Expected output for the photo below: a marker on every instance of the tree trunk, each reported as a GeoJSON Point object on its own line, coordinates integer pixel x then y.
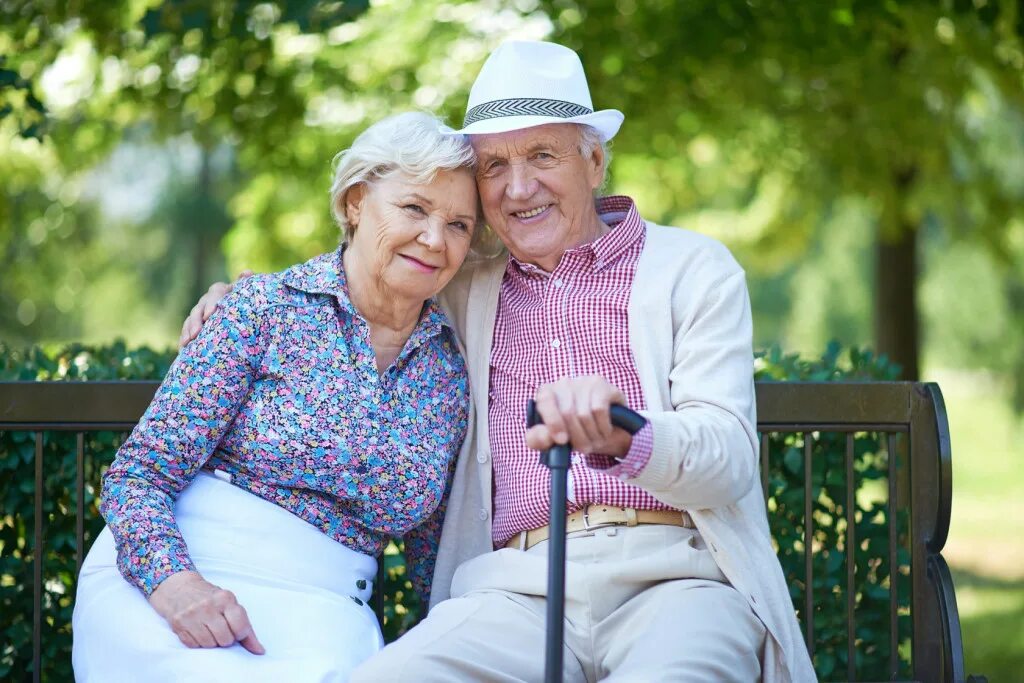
{"type": "Point", "coordinates": [200, 246]}
{"type": "Point", "coordinates": [896, 314]}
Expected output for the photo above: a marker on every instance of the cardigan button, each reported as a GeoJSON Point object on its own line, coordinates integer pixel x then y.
{"type": "Point", "coordinates": [482, 514]}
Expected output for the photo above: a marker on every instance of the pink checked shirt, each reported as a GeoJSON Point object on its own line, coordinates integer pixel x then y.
{"type": "Point", "coordinates": [571, 322]}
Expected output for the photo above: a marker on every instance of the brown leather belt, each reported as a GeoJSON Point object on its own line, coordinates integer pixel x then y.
{"type": "Point", "coordinates": [600, 516]}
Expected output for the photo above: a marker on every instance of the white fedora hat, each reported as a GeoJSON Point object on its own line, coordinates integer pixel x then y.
{"type": "Point", "coordinates": [527, 83]}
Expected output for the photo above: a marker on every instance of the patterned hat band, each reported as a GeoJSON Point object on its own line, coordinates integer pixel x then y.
{"type": "Point", "coordinates": [525, 106]}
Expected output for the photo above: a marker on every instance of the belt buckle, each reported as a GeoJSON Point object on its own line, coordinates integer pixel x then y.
{"type": "Point", "coordinates": [586, 521]}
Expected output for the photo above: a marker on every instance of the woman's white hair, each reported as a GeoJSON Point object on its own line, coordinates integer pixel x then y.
{"type": "Point", "coordinates": [416, 144]}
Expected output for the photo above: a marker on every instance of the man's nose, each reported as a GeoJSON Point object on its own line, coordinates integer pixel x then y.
{"type": "Point", "coordinates": [521, 183]}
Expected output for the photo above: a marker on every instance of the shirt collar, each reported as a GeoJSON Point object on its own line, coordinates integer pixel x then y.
{"type": "Point", "coordinates": [619, 213]}
{"type": "Point", "coordinates": [325, 274]}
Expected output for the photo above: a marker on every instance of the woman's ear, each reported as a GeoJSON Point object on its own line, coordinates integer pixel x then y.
{"type": "Point", "coordinates": [354, 204]}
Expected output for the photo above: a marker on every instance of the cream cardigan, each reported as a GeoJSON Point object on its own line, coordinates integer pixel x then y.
{"type": "Point", "coordinates": [691, 335]}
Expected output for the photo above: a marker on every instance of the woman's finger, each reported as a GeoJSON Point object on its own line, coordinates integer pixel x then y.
{"type": "Point", "coordinates": [196, 629]}
{"type": "Point", "coordinates": [186, 639]}
{"type": "Point", "coordinates": [218, 627]}
{"type": "Point", "coordinates": [238, 621]}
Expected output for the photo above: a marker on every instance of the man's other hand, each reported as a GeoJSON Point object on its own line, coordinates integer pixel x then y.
{"type": "Point", "coordinates": [202, 311]}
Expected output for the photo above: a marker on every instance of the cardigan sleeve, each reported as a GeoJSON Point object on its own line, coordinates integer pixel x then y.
{"type": "Point", "coordinates": [704, 452]}
{"type": "Point", "coordinates": [193, 408]}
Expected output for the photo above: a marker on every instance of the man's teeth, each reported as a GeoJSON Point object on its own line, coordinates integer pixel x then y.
{"type": "Point", "coordinates": [532, 212]}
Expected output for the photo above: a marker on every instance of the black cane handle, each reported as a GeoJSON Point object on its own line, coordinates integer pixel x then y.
{"type": "Point", "coordinates": [622, 417]}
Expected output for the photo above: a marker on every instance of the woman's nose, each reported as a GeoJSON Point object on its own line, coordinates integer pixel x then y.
{"type": "Point", "coordinates": [432, 236]}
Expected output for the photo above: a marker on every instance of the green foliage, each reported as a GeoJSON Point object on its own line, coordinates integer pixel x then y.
{"type": "Point", "coordinates": [786, 493]}
{"type": "Point", "coordinates": [855, 365]}
{"type": "Point", "coordinates": [784, 477]}
{"type": "Point", "coordinates": [17, 494]}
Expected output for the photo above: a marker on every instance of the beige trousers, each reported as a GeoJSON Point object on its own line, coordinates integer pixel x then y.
{"type": "Point", "coordinates": [643, 604]}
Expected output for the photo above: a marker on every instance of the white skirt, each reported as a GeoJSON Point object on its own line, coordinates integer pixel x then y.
{"type": "Point", "coordinates": [296, 584]}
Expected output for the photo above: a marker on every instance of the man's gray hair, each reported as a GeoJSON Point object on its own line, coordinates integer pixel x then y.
{"type": "Point", "coordinates": [590, 139]}
{"type": "Point", "coordinates": [412, 143]}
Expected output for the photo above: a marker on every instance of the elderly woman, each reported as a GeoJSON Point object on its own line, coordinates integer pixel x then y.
{"type": "Point", "coordinates": [317, 416]}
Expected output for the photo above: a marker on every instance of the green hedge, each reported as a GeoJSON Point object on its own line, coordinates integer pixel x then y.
{"type": "Point", "coordinates": [785, 486]}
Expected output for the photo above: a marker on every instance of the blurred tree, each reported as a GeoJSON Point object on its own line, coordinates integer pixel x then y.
{"type": "Point", "coordinates": [787, 108]}
{"type": "Point", "coordinates": [278, 87]}
{"type": "Point", "coordinates": [761, 119]}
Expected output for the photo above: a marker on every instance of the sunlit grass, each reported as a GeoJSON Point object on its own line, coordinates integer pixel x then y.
{"type": "Point", "coordinates": [986, 542]}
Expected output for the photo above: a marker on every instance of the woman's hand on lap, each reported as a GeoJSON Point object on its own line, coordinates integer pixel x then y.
{"type": "Point", "coordinates": [202, 614]}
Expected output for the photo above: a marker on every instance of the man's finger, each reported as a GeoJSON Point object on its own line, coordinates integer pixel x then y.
{"type": "Point", "coordinates": [590, 422]}
{"type": "Point", "coordinates": [208, 310]}
{"type": "Point", "coordinates": [551, 416]}
{"type": "Point", "coordinates": [539, 438]}
{"type": "Point", "coordinates": [600, 409]}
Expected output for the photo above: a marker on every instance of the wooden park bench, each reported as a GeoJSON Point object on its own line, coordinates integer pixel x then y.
{"type": "Point", "coordinates": [862, 466]}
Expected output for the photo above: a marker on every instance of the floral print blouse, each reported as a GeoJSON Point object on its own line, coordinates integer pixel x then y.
{"type": "Point", "coordinates": [281, 391]}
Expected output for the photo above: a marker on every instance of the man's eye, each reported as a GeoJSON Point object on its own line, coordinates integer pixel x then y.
{"type": "Point", "coordinates": [459, 225]}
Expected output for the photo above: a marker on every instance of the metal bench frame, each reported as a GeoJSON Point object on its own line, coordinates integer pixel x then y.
{"type": "Point", "coordinates": [914, 410]}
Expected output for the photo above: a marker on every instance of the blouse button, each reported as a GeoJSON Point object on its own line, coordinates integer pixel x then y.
{"type": "Point", "coordinates": [482, 514]}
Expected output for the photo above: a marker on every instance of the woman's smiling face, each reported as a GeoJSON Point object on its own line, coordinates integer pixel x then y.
{"type": "Point", "coordinates": [411, 238]}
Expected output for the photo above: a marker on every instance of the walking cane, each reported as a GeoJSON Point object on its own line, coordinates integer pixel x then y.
{"type": "Point", "coordinates": [556, 459]}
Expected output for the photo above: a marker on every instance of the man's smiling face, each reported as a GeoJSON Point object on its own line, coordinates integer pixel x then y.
{"type": "Point", "coordinates": [537, 190]}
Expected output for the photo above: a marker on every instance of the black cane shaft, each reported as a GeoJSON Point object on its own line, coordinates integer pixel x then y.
{"type": "Point", "coordinates": [557, 460]}
{"type": "Point", "coordinates": [556, 576]}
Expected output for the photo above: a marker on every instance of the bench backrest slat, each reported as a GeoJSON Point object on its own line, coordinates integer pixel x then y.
{"type": "Point", "coordinates": [825, 441]}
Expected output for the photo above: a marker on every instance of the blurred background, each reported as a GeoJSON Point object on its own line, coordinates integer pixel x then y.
{"type": "Point", "coordinates": [864, 160]}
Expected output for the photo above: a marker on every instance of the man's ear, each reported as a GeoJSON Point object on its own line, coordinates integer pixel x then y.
{"type": "Point", "coordinates": [354, 204]}
{"type": "Point", "coordinates": [595, 165]}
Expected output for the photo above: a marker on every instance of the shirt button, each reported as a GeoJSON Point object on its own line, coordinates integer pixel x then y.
{"type": "Point", "coordinates": [555, 343]}
{"type": "Point", "coordinates": [482, 514]}
{"type": "Point", "coordinates": [559, 283]}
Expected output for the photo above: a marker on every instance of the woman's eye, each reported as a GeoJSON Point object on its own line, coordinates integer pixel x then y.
{"type": "Point", "coordinates": [414, 208]}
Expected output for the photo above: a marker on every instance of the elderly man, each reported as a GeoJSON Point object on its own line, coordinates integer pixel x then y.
{"type": "Point", "coordinates": [670, 571]}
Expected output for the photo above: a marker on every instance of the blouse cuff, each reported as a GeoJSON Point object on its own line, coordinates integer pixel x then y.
{"type": "Point", "coordinates": [160, 567]}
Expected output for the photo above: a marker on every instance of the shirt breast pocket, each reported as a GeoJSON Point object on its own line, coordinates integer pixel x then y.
{"type": "Point", "coordinates": [509, 392]}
